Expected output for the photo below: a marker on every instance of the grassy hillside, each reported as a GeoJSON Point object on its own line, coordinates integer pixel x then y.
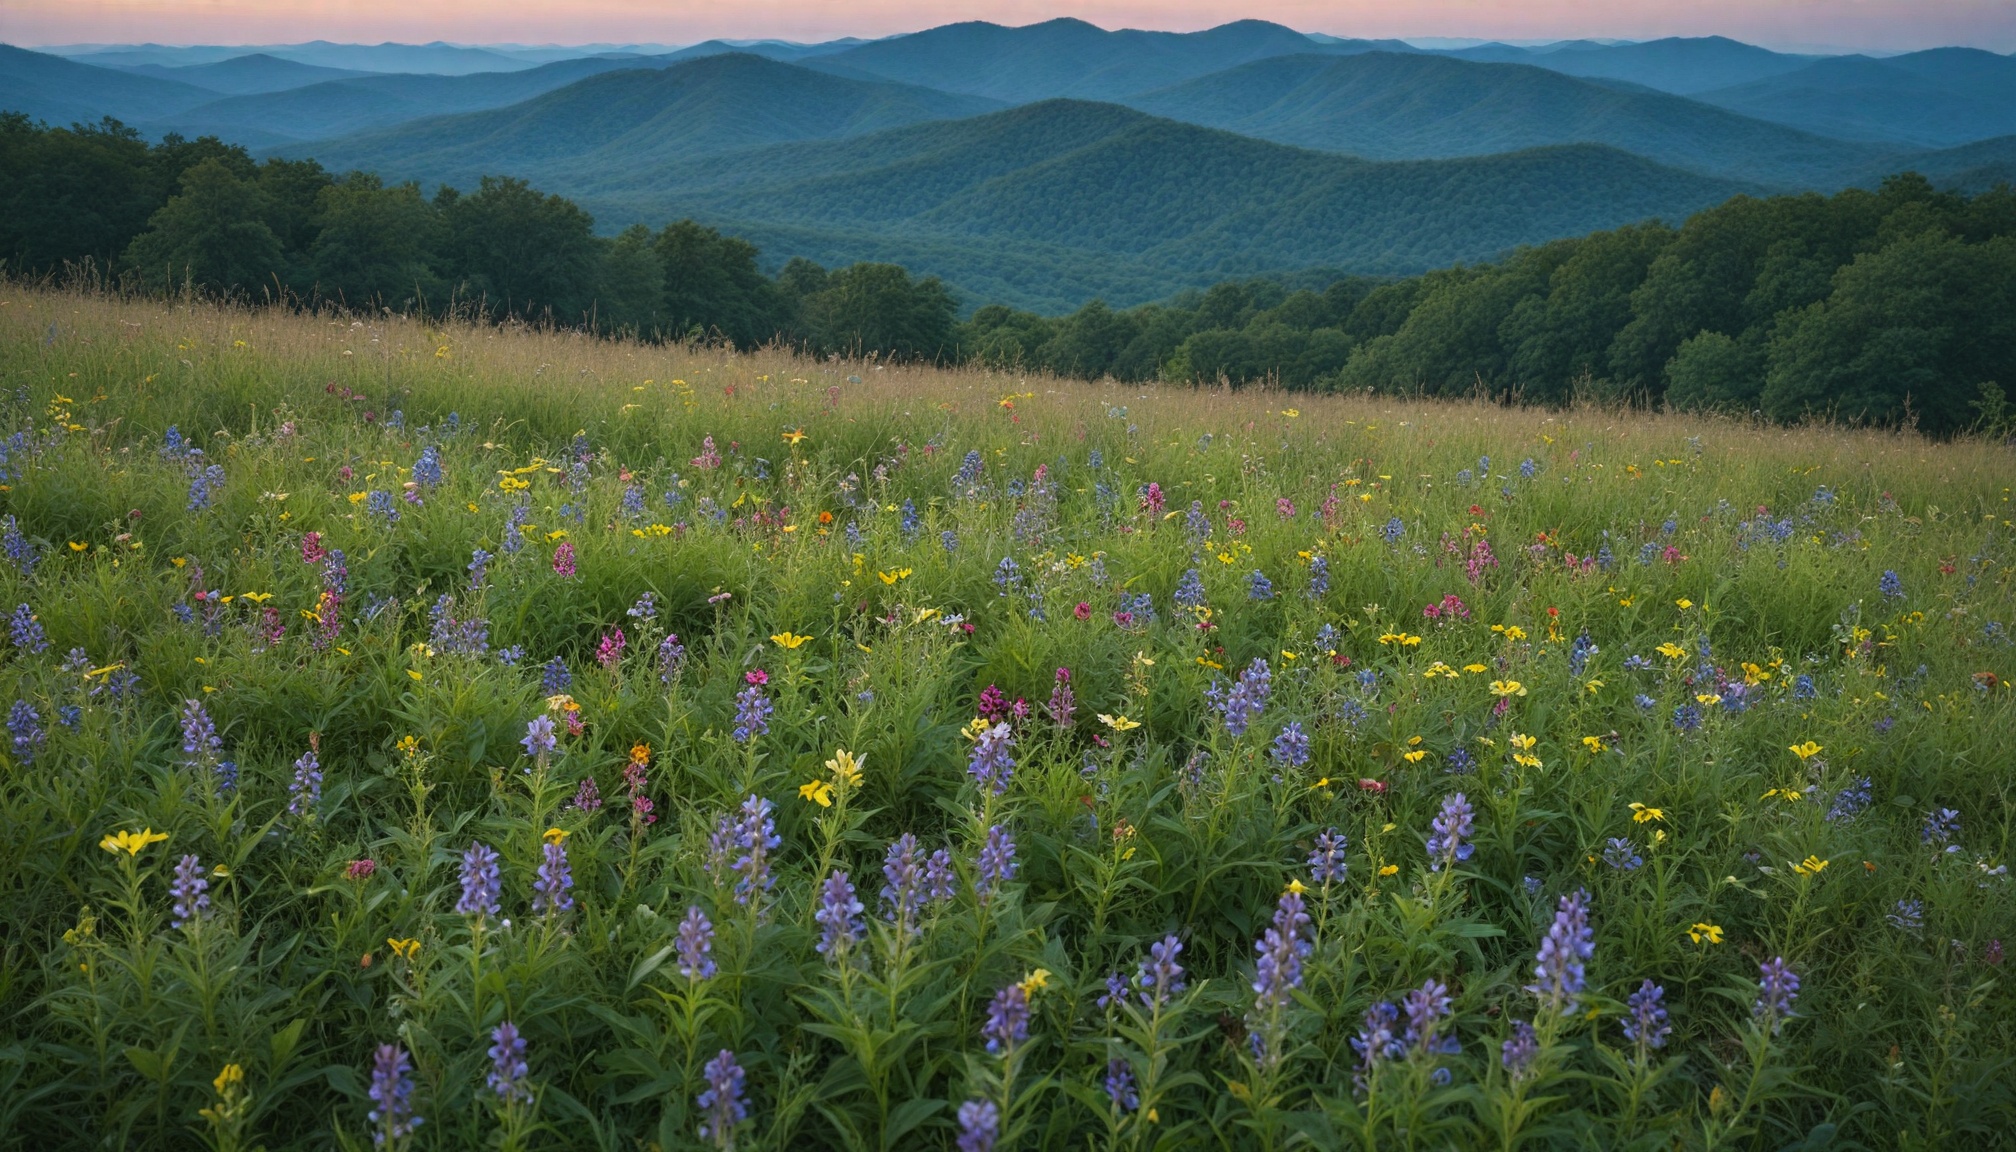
{"type": "Point", "coordinates": [1391, 106]}
{"type": "Point", "coordinates": [804, 749]}
{"type": "Point", "coordinates": [1940, 98]}
{"type": "Point", "coordinates": [1070, 58]}
{"type": "Point", "coordinates": [642, 121]}
{"type": "Point", "coordinates": [60, 91]}
{"type": "Point", "coordinates": [344, 107]}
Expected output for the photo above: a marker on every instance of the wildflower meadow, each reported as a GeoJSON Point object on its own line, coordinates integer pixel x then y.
{"type": "Point", "coordinates": [427, 735]}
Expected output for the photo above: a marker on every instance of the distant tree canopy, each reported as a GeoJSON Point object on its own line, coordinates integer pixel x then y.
{"type": "Point", "coordinates": [1871, 306]}
{"type": "Point", "coordinates": [1876, 306]}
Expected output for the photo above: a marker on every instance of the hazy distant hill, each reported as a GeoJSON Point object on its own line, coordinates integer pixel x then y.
{"type": "Point", "coordinates": [1066, 57]}
{"type": "Point", "coordinates": [1972, 168]}
{"type": "Point", "coordinates": [1937, 98]}
{"type": "Point", "coordinates": [245, 75]}
{"type": "Point", "coordinates": [63, 92]}
{"type": "Point", "coordinates": [364, 103]}
{"type": "Point", "coordinates": [642, 122]}
{"type": "Point", "coordinates": [1102, 195]}
{"type": "Point", "coordinates": [436, 58]}
{"type": "Point", "coordinates": [1390, 106]}
{"type": "Point", "coordinates": [769, 49]}
{"type": "Point", "coordinates": [1677, 64]}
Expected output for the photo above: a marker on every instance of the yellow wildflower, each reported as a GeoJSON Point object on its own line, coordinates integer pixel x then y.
{"type": "Point", "coordinates": [1507, 688]}
{"type": "Point", "coordinates": [1640, 814]}
{"type": "Point", "coordinates": [1119, 723]}
{"type": "Point", "coordinates": [1712, 933]}
{"type": "Point", "coordinates": [788, 639]}
{"type": "Point", "coordinates": [1811, 866]}
{"type": "Point", "coordinates": [131, 843]}
{"type": "Point", "coordinates": [820, 792]}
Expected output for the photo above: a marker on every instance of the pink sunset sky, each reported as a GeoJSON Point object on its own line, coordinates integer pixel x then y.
{"type": "Point", "coordinates": [1883, 25]}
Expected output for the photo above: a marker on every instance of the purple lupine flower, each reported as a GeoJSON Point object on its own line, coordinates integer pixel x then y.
{"type": "Point", "coordinates": [1376, 1041]}
{"type": "Point", "coordinates": [1621, 855]}
{"type": "Point", "coordinates": [507, 1064]}
{"type": "Point", "coordinates": [696, 945]}
{"type": "Point", "coordinates": [1425, 1008]}
{"type": "Point", "coordinates": [1446, 846]}
{"type": "Point", "coordinates": [551, 886]}
{"type": "Point", "coordinates": [24, 724]}
{"type": "Point", "coordinates": [992, 764]}
{"type": "Point", "coordinates": [1777, 988]}
{"type": "Point", "coordinates": [839, 917]}
{"type": "Point", "coordinates": [1120, 1085]}
{"type": "Point", "coordinates": [939, 882]}
{"type": "Point", "coordinates": [1326, 862]}
{"type": "Point", "coordinates": [752, 713]}
{"type": "Point", "coordinates": [1570, 942]}
{"type": "Point", "coordinates": [1116, 991]}
{"type": "Point", "coordinates": [1517, 1053]}
{"type": "Point", "coordinates": [671, 657]}
{"type": "Point", "coordinates": [392, 1115]}
{"type": "Point", "coordinates": [1941, 826]}
{"type": "Point", "coordinates": [588, 797]}
{"type": "Point", "coordinates": [1160, 976]}
{"type": "Point", "coordinates": [481, 883]}
{"type": "Point", "coordinates": [903, 884]}
{"type": "Point", "coordinates": [979, 1126]}
{"type": "Point", "coordinates": [721, 1105]}
{"type": "Point", "coordinates": [554, 678]}
{"type": "Point", "coordinates": [199, 735]}
{"type": "Point", "coordinates": [190, 891]}
{"type": "Point", "coordinates": [1258, 587]}
{"type": "Point", "coordinates": [1281, 948]}
{"type": "Point", "coordinates": [1007, 1019]}
{"type": "Point", "coordinates": [997, 863]}
{"type": "Point", "coordinates": [479, 567]}
{"type": "Point", "coordinates": [25, 630]}
{"type": "Point", "coordinates": [305, 791]}
{"type": "Point", "coordinates": [1063, 702]}
{"type": "Point", "coordinates": [539, 739]}
{"type": "Point", "coordinates": [1246, 698]}
{"type": "Point", "coordinates": [1646, 1025]}
{"type": "Point", "coordinates": [756, 835]}
{"type": "Point", "coordinates": [1291, 747]}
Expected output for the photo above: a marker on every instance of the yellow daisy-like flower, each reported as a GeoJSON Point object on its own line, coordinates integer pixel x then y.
{"type": "Point", "coordinates": [1640, 814]}
{"type": "Point", "coordinates": [1414, 757]}
{"type": "Point", "coordinates": [1708, 698]}
{"type": "Point", "coordinates": [131, 843]}
{"type": "Point", "coordinates": [1119, 723]}
{"type": "Point", "coordinates": [1711, 933]}
{"type": "Point", "coordinates": [405, 949]}
{"type": "Point", "coordinates": [555, 836]}
{"type": "Point", "coordinates": [1036, 980]}
{"type": "Point", "coordinates": [1296, 886]}
{"type": "Point", "coordinates": [1389, 870]}
{"type": "Point", "coordinates": [1684, 603]}
{"type": "Point", "coordinates": [789, 640]}
{"type": "Point", "coordinates": [1595, 744]}
{"type": "Point", "coordinates": [1507, 688]}
{"type": "Point", "coordinates": [1811, 866]}
{"type": "Point", "coordinates": [76, 547]}
{"type": "Point", "coordinates": [1805, 751]}
{"type": "Point", "coordinates": [893, 577]}
{"type": "Point", "coordinates": [1473, 669]}
{"type": "Point", "coordinates": [1522, 741]}
{"type": "Point", "coordinates": [1671, 650]}
{"type": "Point", "coordinates": [795, 436]}
{"type": "Point", "coordinates": [820, 792]}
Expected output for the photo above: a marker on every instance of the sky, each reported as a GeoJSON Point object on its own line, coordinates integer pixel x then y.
{"type": "Point", "coordinates": [1880, 25]}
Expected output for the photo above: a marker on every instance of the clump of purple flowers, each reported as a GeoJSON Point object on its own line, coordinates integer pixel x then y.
{"type": "Point", "coordinates": [190, 892]}
{"type": "Point", "coordinates": [1517, 1053]}
{"type": "Point", "coordinates": [752, 713]}
{"type": "Point", "coordinates": [756, 835]}
{"type": "Point", "coordinates": [26, 631]}
{"type": "Point", "coordinates": [979, 1126]}
{"type": "Point", "coordinates": [1246, 698]}
{"type": "Point", "coordinates": [1559, 972]}
{"type": "Point", "coordinates": [552, 885]}
{"type": "Point", "coordinates": [1452, 827]}
{"type": "Point", "coordinates": [695, 945]}
{"type": "Point", "coordinates": [1646, 1025]}
{"type": "Point", "coordinates": [1777, 988]}
{"type": "Point", "coordinates": [391, 1114]}
{"type": "Point", "coordinates": [305, 791]}
{"type": "Point", "coordinates": [1291, 746]}
{"type": "Point", "coordinates": [992, 763]}
{"type": "Point", "coordinates": [481, 882]}
{"type": "Point", "coordinates": [838, 917]}
{"type": "Point", "coordinates": [1120, 1085]}
{"type": "Point", "coordinates": [24, 724]}
{"type": "Point", "coordinates": [1007, 1022]}
{"type": "Point", "coordinates": [903, 887]}
{"type": "Point", "coordinates": [1378, 1040]}
{"type": "Point", "coordinates": [1160, 976]}
{"type": "Point", "coordinates": [507, 1064]}
{"type": "Point", "coordinates": [997, 863]}
{"type": "Point", "coordinates": [721, 1104]}
{"type": "Point", "coordinates": [1326, 860]}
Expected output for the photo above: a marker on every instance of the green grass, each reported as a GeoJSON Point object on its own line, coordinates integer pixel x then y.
{"type": "Point", "coordinates": [117, 1025]}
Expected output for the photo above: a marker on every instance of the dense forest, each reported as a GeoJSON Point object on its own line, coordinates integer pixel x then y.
{"type": "Point", "coordinates": [1890, 305]}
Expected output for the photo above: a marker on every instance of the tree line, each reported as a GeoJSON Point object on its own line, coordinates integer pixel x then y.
{"type": "Point", "coordinates": [203, 213]}
{"type": "Point", "coordinates": [1884, 306]}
